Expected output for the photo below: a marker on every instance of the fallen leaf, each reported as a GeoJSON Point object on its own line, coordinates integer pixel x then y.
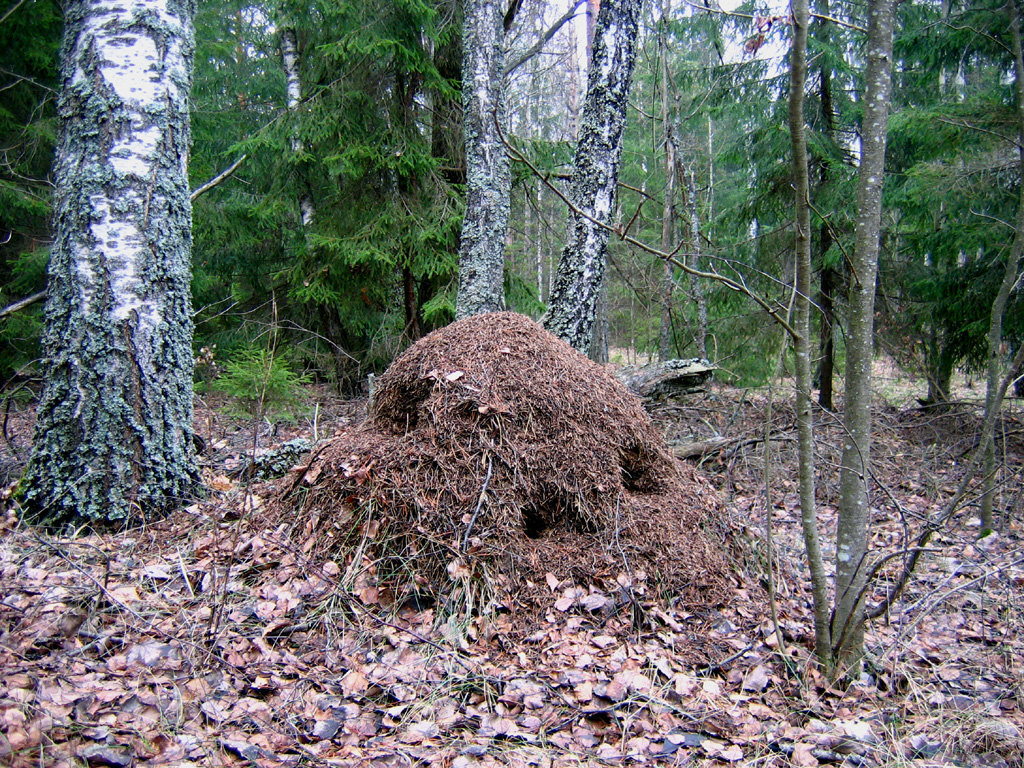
{"type": "Point", "coordinates": [803, 756]}
{"type": "Point", "coordinates": [756, 680]}
{"type": "Point", "coordinates": [731, 754]}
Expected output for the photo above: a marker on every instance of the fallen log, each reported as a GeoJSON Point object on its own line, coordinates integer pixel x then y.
{"type": "Point", "coordinates": [666, 379]}
{"type": "Point", "coordinates": [702, 447]}
{"type": "Point", "coordinates": [718, 442]}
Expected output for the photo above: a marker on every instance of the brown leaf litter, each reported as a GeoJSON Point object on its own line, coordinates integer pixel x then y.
{"type": "Point", "coordinates": [495, 454]}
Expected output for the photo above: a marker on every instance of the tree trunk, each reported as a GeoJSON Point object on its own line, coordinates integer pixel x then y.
{"type": "Point", "coordinates": [939, 361]}
{"type": "Point", "coordinates": [693, 259]}
{"type": "Point", "coordinates": [113, 440]}
{"type": "Point", "coordinates": [854, 509]}
{"type": "Point", "coordinates": [826, 327]}
{"type": "Point", "coordinates": [668, 214]}
{"type": "Point", "coordinates": [290, 64]}
{"type": "Point", "coordinates": [827, 284]}
{"type": "Point", "coordinates": [993, 401]}
{"type": "Point", "coordinates": [578, 280]}
{"type": "Point", "coordinates": [447, 138]}
{"type": "Point", "coordinates": [488, 177]}
{"type": "Point", "coordinates": [802, 340]}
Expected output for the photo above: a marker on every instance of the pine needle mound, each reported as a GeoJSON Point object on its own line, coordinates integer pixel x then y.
{"type": "Point", "coordinates": [495, 454]}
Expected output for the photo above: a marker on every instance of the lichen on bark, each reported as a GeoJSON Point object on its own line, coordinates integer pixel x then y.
{"type": "Point", "coordinates": [488, 176]}
{"type": "Point", "coordinates": [113, 439]}
{"type": "Point", "coordinates": [577, 285]}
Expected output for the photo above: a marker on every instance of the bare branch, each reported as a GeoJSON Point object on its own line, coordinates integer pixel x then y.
{"type": "Point", "coordinates": [536, 48]}
{"type": "Point", "coordinates": [203, 189]}
{"type": "Point", "coordinates": [672, 258]}
{"type": "Point", "coordinates": [11, 10]}
{"type": "Point", "coordinates": [10, 309]}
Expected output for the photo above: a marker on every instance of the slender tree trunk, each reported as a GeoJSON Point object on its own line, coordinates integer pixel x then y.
{"type": "Point", "coordinates": [113, 440]}
{"type": "Point", "coordinates": [693, 258]}
{"type": "Point", "coordinates": [993, 401]}
{"type": "Point", "coordinates": [580, 274]}
{"type": "Point", "coordinates": [854, 509]}
{"type": "Point", "coordinates": [447, 139]}
{"type": "Point", "coordinates": [827, 284]}
{"type": "Point", "coordinates": [488, 177]}
{"type": "Point", "coordinates": [938, 366]}
{"type": "Point", "coordinates": [802, 324]}
{"type": "Point", "coordinates": [668, 215]}
{"type": "Point", "coordinates": [593, 9]}
{"type": "Point", "coordinates": [290, 63]}
{"type": "Point", "coordinates": [826, 327]}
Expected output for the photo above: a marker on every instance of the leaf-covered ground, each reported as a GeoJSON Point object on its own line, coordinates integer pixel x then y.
{"type": "Point", "coordinates": [208, 640]}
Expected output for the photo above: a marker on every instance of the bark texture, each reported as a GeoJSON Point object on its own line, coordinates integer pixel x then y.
{"type": "Point", "coordinates": [290, 64]}
{"type": "Point", "coordinates": [595, 173]}
{"type": "Point", "coordinates": [852, 533]}
{"type": "Point", "coordinates": [802, 322]}
{"type": "Point", "coordinates": [668, 213]}
{"type": "Point", "coordinates": [113, 439]}
{"type": "Point", "coordinates": [488, 177]}
{"type": "Point", "coordinates": [666, 378]}
{"type": "Point", "coordinates": [693, 258]}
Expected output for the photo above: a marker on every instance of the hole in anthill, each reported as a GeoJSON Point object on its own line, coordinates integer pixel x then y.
{"type": "Point", "coordinates": [634, 469]}
{"type": "Point", "coordinates": [534, 523]}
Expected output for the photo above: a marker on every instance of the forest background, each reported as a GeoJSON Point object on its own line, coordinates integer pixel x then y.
{"type": "Point", "coordinates": [373, 145]}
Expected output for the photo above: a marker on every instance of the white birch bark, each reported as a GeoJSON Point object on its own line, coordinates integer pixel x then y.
{"type": "Point", "coordinates": [577, 285]}
{"type": "Point", "coordinates": [290, 64]}
{"type": "Point", "coordinates": [488, 176]}
{"type": "Point", "coordinates": [113, 439]}
{"type": "Point", "coordinates": [697, 296]}
{"type": "Point", "coordinates": [852, 534]}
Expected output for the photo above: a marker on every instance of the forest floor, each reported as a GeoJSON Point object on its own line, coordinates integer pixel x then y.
{"type": "Point", "coordinates": [208, 640]}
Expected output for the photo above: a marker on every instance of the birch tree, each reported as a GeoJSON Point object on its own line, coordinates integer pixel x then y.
{"type": "Point", "coordinates": [592, 186]}
{"type": "Point", "coordinates": [113, 440]}
{"type": "Point", "coordinates": [291, 65]}
{"type": "Point", "coordinates": [488, 177]}
{"type": "Point", "coordinates": [847, 629]}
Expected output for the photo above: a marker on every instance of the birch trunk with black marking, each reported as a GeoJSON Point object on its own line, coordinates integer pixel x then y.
{"type": "Point", "coordinates": [113, 440]}
{"type": "Point", "coordinates": [577, 286]}
{"type": "Point", "coordinates": [697, 296]}
{"type": "Point", "coordinates": [488, 176]}
{"type": "Point", "coordinates": [290, 64]}
{"type": "Point", "coordinates": [854, 508]}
